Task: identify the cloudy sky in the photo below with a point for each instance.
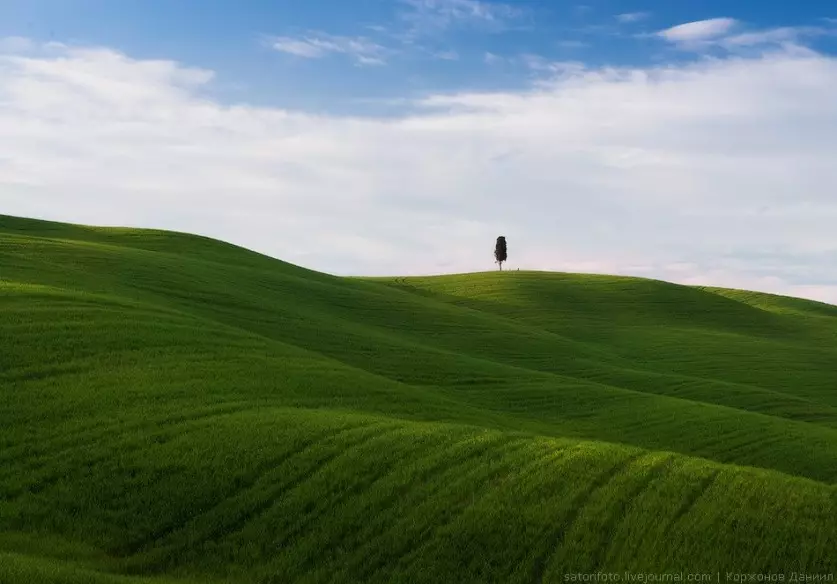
(382, 137)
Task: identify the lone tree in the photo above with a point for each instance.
(500, 251)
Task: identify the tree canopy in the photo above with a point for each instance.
(500, 251)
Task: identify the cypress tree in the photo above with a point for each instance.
(500, 251)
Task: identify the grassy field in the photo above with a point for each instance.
(177, 409)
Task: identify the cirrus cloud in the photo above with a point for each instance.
(318, 45)
(727, 34)
(631, 17)
(699, 30)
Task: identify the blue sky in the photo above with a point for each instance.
(688, 141)
(426, 45)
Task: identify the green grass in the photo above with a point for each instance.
(177, 409)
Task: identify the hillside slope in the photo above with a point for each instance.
(176, 407)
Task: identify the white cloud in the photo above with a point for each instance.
(464, 9)
(432, 16)
(727, 34)
(700, 30)
(298, 47)
(318, 45)
(542, 65)
(15, 44)
(786, 34)
(629, 17)
(416, 21)
(718, 172)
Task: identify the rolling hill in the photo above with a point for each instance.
(178, 409)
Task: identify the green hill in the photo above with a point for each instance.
(177, 409)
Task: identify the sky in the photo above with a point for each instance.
(693, 142)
